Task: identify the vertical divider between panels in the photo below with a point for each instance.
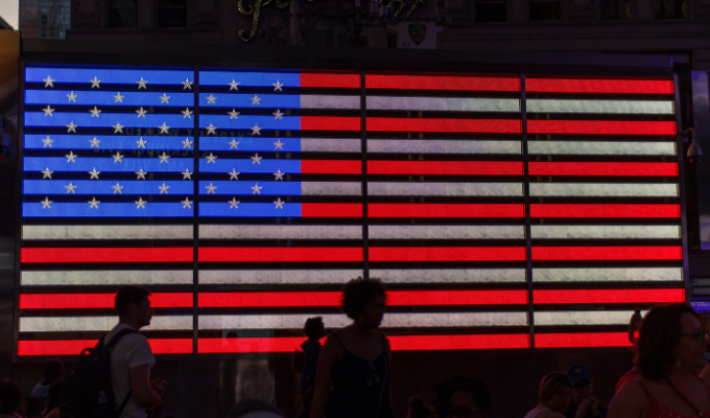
(526, 194)
(363, 148)
(195, 213)
(18, 217)
(681, 187)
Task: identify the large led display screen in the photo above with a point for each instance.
(501, 212)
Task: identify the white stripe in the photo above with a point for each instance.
(390, 320)
(444, 189)
(97, 232)
(99, 323)
(601, 148)
(280, 232)
(322, 188)
(446, 232)
(605, 231)
(441, 146)
(607, 274)
(105, 277)
(450, 275)
(277, 276)
(447, 104)
(604, 189)
(583, 317)
(330, 102)
(330, 145)
(635, 107)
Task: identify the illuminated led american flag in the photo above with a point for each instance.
(284, 213)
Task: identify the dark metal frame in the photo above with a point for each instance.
(205, 56)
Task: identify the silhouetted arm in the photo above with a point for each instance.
(326, 364)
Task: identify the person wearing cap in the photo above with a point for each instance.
(583, 404)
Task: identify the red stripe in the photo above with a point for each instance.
(453, 210)
(540, 210)
(603, 169)
(397, 343)
(331, 167)
(279, 254)
(330, 123)
(447, 254)
(331, 210)
(587, 339)
(332, 299)
(599, 127)
(322, 80)
(106, 255)
(75, 347)
(502, 126)
(607, 253)
(98, 300)
(608, 296)
(568, 85)
(443, 168)
(459, 83)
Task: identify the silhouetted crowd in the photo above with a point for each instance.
(349, 375)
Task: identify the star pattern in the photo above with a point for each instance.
(70, 188)
(211, 158)
(278, 175)
(164, 99)
(233, 144)
(234, 174)
(47, 173)
(278, 114)
(48, 82)
(71, 157)
(255, 130)
(46, 202)
(279, 145)
(187, 84)
(118, 128)
(256, 159)
(141, 143)
(47, 142)
(233, 203)
(187, 143)
(233, 114)
(210, 99)
(186, 174)
(118, 158)
(142, 84)
(233, 85)
(255, 189)
(117, 188)
(256, 100)
(186, 204)
(94, 174)
(187, 113)
(277, 86)
(164, 158)
(95, 112)
(95, 83)
(164, 129)
(118, 97)
(141, 112)
(279, 204)
(48, 111)
(211, 129)
(163, 188)
(140, 203)
(71, 127)
(211, 189)
(140, 174)
(72, 97)
(93, 203)
(94, 142)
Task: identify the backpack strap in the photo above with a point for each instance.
(124, 403)
(117, 337)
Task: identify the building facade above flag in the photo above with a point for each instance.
(502, 212)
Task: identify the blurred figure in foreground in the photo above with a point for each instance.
(419, 409)
(462, 397)
(53, 371)
(353, 375)
(52, 409)
(554, 396)
(633, 374)
(10, 398)
(254, 408)
(315, 330)
(670, 352)
(583, 401)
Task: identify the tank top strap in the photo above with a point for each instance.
(340, 342)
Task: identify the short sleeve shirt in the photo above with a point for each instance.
(131, 351)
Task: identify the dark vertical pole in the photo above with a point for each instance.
(363, 147)
(18, 217)
(195, 215)
(526, 193)
(681, 187)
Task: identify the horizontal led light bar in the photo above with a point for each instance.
(288, 79)
(109, 142)
(148, 209)
(656, 274)
(441, 82)
(97, 300)
(376, 188)
(602, 169)
(277, 276)
(390, 320)
(333, 299)
(442, 104)
(558, 318)
(264, 166)
(449, 275)
(445, 232)
(441, 146)
(266, 144)
(86, 120)
(604, 189)
(458, 168)
(280, 188)
(599, 127)
(100, 323)
(431, 254)
(75, 347)
(107, 76)
(280, 232)
(633, 211)
(280, 254)
(105, 232)
(582, 339)
(483, 126)
(107, 164)
(606, 253)
(85, 100)
(584, 296)
(443, 210)
(606, 232)
(106, 187)
(106, 255)
(274, 210)
(628, 107)
(280, 101)
(601, 148)
(105, 277)
(600, 86)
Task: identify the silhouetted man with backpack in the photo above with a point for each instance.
(112, 380)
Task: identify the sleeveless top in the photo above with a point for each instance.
(360, 388)
(537, 411)
(657, 410)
